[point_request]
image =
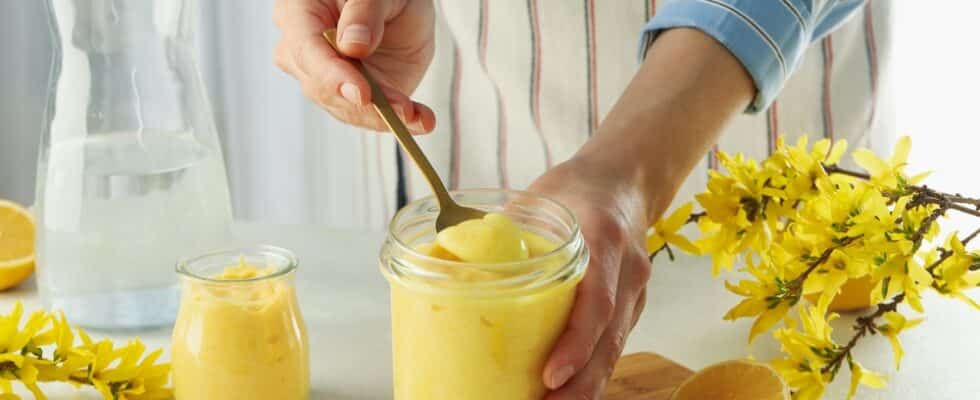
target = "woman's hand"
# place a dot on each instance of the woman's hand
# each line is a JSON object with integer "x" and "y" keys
{"x": 622, "y": 180}
{"x": 394, "y": 38}
{"x": 612, "y": 216}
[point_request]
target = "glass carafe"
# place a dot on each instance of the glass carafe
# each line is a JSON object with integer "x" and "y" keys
{"x": 130, "y": 174}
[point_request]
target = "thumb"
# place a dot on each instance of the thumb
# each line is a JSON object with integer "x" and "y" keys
{"x": 361, "y": 26}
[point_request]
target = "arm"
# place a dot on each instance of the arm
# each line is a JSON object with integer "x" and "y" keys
{"x": 703, "y": 65}
{"x": 669, "y": 116}
{"x": 625, "y": 177}
{"x": 769, "y": 38}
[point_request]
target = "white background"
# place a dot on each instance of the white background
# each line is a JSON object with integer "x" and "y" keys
{"x": 938, "y": 68}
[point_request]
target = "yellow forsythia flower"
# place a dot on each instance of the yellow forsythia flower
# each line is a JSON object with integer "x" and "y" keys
{"x": 767, "y": 298}
{"x": 44, "y": 349}
{"x": 861, "y": 376}
{"x": 803, "y": 225}
{"x": 896, "y": 324}
{"x": 665, "y": 231}
{"x": 889, "y": 175}
{"x": 955, "y": 275}
{"x": 807, "y": 351}
{"x": 805, "y": 167}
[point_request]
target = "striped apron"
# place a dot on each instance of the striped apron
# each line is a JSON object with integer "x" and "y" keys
{"x": 520, "y": 85}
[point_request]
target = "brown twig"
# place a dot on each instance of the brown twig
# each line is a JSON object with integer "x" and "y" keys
{"x": 946, "y": 254}
{"x": 958, "y": 198}
{"x": 934, "y": 197}
{"x": 655, "y": 252}
{"x": 797, "y": 283}
{"x": 864, "y": 326}
{"x": 693, "y": 218}
{"x": 964, "y": 210}
{"x": 835, "y": 169}
{"x": 950, "y": 201}
{"x": 920, "y": 234}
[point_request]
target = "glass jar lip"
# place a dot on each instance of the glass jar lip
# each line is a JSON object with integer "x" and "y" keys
{"x": 562, "y": 249}
{"x": 291, "y": 263}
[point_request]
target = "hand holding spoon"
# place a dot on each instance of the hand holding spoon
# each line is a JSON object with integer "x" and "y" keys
{"x": 450, "y": 213}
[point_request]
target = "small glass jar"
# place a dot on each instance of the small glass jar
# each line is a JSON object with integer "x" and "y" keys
{"x": 479, "y": 331}
{"x": 239, "y": 333}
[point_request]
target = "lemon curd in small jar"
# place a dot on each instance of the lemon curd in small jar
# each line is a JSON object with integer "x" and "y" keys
{"x": 239, "y": 333}
{"x": 477, "y": 308}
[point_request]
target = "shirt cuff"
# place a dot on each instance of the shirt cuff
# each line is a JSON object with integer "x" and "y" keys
{"x": 767, "y": 39}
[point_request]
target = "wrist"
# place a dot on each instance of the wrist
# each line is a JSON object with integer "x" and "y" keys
{"x": 649, "y": 185}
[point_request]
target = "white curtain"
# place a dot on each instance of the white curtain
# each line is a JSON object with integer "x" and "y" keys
{"x": 25, "y": 56}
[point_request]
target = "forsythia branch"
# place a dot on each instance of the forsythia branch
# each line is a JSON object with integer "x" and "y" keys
{"x": 863, "y": 326}
{"x": 47, "y": 349}
{"x": 799, "y": 223}
{"x": 797, "y": 284}
{"x": 950, "y": 201}
{"x": 946, "y": 254}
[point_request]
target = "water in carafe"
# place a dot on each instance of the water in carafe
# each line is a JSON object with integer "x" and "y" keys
{"x": 131, "y": 176}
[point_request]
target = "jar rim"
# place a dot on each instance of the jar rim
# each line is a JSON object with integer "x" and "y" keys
{"x": 291, "y": 262}
{"x": 572, "y": 244}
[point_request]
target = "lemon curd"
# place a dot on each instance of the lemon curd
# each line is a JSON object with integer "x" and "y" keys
{"x": 239, "y": 333}
{"x": 477, "y": 309}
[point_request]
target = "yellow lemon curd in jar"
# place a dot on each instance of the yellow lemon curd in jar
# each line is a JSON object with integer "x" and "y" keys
{"x": 240, "y": 339}
{"x": 451, "y": 345}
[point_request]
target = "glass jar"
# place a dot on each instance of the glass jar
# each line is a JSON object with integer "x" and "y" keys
{"x": 239, "y": 333}
{"x": 479, "y": 331}
{"x": 130, "y": 173}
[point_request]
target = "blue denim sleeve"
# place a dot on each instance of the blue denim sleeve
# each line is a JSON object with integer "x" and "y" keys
{"x": 769, "y": 37}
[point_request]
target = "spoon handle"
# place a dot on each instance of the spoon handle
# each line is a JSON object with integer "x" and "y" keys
{"x": 391, "y": 119}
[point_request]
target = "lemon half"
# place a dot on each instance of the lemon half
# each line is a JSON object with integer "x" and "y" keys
{"x": 16, "y": 244}
{"x": 734, "y": 380}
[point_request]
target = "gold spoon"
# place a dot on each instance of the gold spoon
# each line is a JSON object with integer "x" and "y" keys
{"x": 450, "y": 213}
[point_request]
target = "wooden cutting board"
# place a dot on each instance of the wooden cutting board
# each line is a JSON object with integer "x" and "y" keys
{"x": 645, "y": 376}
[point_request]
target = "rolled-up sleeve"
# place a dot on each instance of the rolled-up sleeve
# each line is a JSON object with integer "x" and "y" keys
{"x": 769, "y": 37}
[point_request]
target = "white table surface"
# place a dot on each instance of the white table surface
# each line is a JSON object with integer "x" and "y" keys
{"x": 345, "y": 302}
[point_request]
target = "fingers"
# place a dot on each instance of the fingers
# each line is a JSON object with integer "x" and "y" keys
{"x": 641, "y": 303}
{"x": 361, "y": 26}
{"x": 593, "y": 310}
{"x": 425, "y": 121}
{"x": 328, "y": 78}
{"x": 305, "y": 54}
{"x": 418, "y": 118}
{"x": 590, "y": 381}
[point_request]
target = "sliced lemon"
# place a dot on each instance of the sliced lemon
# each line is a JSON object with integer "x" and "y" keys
{"x": 16, "y": 244}
{"x": 734, "y": 380}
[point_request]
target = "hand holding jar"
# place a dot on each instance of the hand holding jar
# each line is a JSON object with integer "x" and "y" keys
{"x": 477, "y": 308}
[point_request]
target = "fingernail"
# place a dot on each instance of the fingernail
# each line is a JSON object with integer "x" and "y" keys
{"x": 419, "y": 126}
{"x": 359, "y": 34}
{"x": 561, "y": 376}
{"x": 351, "y": 93}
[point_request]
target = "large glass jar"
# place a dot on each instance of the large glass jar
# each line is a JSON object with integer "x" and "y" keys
{"x": 239, "y": 333}
{"x": 479, "y": 331}
{"x": 130, "y": 174}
